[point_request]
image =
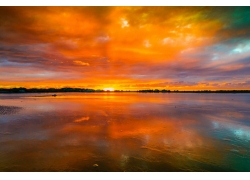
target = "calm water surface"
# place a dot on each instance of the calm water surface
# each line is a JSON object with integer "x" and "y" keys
{"x": 124, "y": 132}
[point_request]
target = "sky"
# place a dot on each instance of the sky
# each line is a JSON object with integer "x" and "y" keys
{"x": 129, "y": 48}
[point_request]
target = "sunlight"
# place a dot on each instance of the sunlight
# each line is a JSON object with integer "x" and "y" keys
{"x": 108, "y": 89}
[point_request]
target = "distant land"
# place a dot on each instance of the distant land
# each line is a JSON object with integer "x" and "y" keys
{"x": 55, "y": 90}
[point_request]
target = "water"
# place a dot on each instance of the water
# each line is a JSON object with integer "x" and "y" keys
{"x": 124, "y": 132}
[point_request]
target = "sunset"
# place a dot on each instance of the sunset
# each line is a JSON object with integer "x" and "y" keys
{"x": 127, "y": 48}
{"x": 108, "y": 89}
{"x": 124, "y": 89}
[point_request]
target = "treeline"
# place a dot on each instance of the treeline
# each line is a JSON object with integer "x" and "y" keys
{"x": 153, "y": 91}
{"x": 38, "y": 90}
{"x": 197, "y": 91}
{"x": 55, "y": 90}
{"x": 216, "y": 91}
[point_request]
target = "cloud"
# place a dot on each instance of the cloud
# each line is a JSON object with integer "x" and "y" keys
{"x": 124, "y": 23}
{"x": 127, "y": 46}
{"x": 81, "y": 63}
{"x": 146, "y": 43}
{"x": 105, "y": 38}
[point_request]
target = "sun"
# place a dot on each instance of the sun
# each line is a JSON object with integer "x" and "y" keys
{"x": 108, "y": 89}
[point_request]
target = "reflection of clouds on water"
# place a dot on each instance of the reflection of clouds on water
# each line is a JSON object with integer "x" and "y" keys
{"x": 44, "y": 107}
{"x": 124, "y": 160}
{"x": 130, "y": 132}
{"x": 146, "y": 138}
{"x": 82, "y": 119}
{"x": 242, "y": 134}
{"x": 239, "y": 131}
{"x": 215, "y": 125}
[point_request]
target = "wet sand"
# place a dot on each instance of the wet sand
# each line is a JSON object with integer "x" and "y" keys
{"x": 8, "y": 110}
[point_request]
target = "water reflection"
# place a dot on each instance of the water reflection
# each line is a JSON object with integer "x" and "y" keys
{"x": 126, "y": 132}
{"x": 82, "y": 119}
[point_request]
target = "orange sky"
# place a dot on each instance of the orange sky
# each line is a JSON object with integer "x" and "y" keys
{"x": 185, "y": 48}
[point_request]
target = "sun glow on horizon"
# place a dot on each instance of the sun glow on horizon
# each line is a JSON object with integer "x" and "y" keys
{"x": 108, "y": 89}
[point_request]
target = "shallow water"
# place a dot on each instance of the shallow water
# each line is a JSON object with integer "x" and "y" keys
{"x": 124, "y": 132}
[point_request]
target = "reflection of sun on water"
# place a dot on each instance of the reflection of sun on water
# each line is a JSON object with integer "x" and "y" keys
{"x": 108, "y": 89}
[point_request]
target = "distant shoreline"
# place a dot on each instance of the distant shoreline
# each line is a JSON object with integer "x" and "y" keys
{"x": 65, "y": 90}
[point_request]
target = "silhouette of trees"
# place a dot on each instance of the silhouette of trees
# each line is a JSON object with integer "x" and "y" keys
{"x": 153, "y": 91}
{"x": 68, "y": 89}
